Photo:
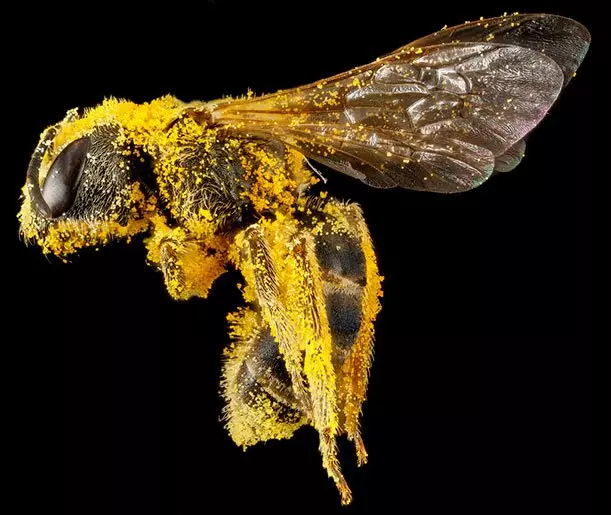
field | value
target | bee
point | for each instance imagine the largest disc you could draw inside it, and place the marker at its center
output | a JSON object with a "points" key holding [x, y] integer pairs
{"points": [[227, 183]]}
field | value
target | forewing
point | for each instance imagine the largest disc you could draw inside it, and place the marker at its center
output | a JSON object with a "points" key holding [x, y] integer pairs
{"points": [[564, 40], [426, 118]]}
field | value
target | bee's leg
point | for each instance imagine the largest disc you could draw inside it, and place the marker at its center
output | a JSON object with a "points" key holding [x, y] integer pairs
{"points": [[256, 386], [282, 274], [260, 273], [190, 266], [356, 368], [307, 303], [352, 287]]}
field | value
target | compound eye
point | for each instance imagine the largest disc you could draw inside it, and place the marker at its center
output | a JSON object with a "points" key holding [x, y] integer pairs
{"points": [[61, 183]]}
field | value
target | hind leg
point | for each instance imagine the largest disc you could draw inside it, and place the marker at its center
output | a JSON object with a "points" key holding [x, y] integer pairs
{"points": [[352, 288], [315, 288], [284, 282]]}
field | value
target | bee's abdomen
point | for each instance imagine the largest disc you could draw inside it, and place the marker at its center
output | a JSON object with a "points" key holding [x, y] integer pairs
{"points": [[313, 281], [265, 365], [342, 262], [340, 255], [257, 396], [351, 290], [257, 387], [344, 315]]}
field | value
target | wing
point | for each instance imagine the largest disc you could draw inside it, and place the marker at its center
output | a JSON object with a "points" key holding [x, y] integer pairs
{"points": [[435, 115], [564, 40]]}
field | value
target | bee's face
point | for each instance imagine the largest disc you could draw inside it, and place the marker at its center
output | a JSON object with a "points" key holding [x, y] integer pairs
{"points": [[82, 187]]}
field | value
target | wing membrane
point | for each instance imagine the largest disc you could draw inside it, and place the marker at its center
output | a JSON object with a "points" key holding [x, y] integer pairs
{"points": [[562, 39], [427, 117]]}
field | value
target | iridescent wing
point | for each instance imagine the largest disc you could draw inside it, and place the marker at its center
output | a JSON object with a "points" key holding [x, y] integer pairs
{"points": [[436, 115]]}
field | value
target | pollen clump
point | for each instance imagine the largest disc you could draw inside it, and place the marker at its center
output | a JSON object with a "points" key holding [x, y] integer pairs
{"points": [[190, 265], [275, 182]]}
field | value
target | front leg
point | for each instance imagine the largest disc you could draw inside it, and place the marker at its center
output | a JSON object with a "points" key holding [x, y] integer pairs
{"points": [[189, 264]]}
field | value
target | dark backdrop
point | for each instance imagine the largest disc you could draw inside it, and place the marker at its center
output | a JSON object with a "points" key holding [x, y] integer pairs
{"points": [[480, 395]]}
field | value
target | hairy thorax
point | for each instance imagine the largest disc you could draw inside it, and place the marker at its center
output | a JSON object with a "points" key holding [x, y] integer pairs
{"points": [[205, 176], [210, 186]]}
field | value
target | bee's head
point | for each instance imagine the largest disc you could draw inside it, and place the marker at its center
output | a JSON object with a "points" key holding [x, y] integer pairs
{"points": [[85, 182]]}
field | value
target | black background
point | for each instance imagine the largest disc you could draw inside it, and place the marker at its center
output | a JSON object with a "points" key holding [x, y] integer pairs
{"points": [[480, 395]]}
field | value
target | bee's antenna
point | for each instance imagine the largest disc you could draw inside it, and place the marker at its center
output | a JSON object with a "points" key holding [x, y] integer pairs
{"points": [[316, 171]]}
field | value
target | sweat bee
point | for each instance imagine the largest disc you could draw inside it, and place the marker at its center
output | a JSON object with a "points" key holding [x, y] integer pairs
{"points": [[226, 183]]}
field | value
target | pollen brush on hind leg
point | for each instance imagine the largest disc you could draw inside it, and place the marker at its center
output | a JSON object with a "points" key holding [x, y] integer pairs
{"points": [[314, 286]]}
